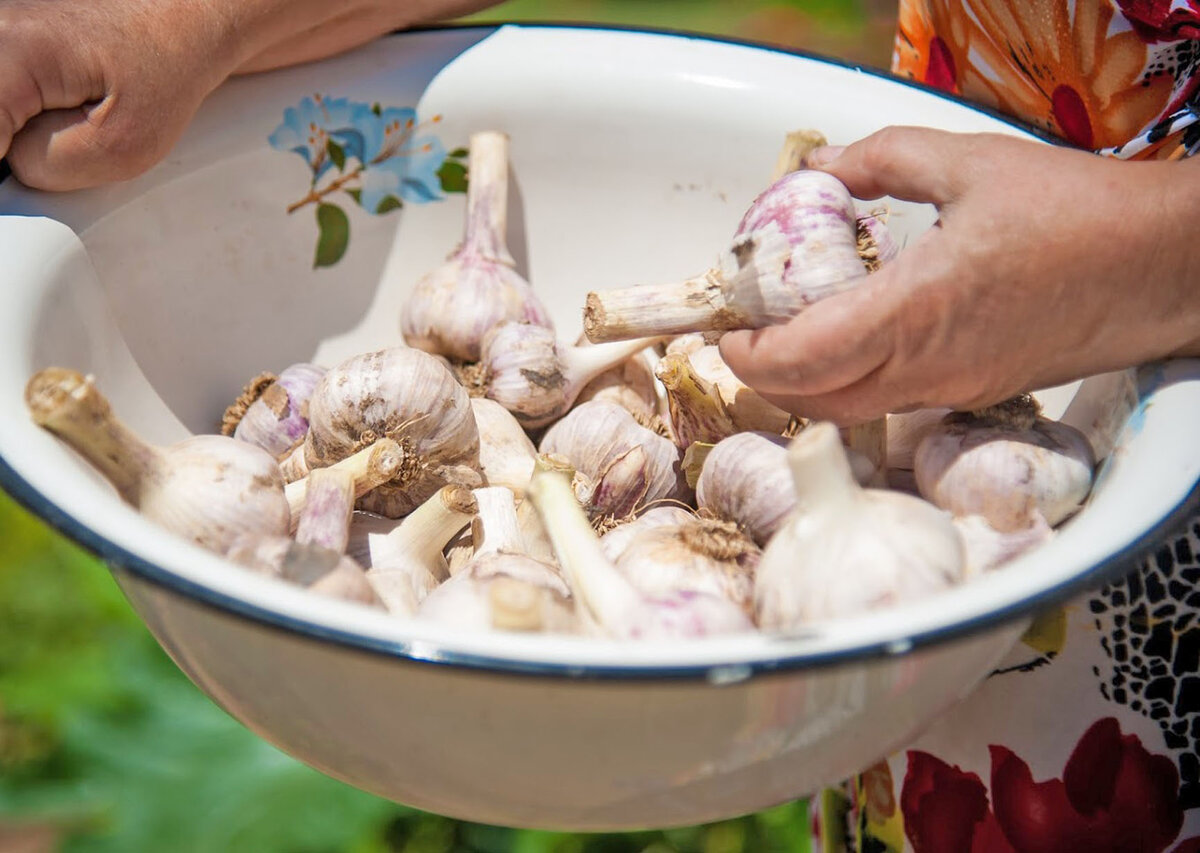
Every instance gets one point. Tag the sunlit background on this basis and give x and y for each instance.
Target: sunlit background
(106, 747)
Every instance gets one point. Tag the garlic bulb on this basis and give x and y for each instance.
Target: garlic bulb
(272, 411)
(615, 540)
(608, 602)
(845, 550)
(627, 465)
(745, 480)
(506, 455)
(510, 592)
(905, 432)
(405, 395)
(796, 244)
(316, 558)
(450, 309)
(407, 563)
(708, 403)
(1004, 463)
(988, 548)
(689, 555)
(524, 369)
(375, 464)
(207, 488)
(630, 384)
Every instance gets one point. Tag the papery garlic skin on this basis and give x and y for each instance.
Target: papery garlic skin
(906, 430)
(1005, 469)
(614, 541)
(450, 310)
(506, 455)
(468, 601)
(628, 465)
(748, 410)
(846, 550)
(318, 569)
(278, 417)
(745, 479)
(529, 373)
(208, 488)
(988, 548)
(410, 397)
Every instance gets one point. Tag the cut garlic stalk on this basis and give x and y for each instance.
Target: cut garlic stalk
(450, 310)
(988, 548)
(526, 370)
(1004, 463)
(207, 488)
(328, 507)
(846, 550)
(607, 599)
(495, 528)
(506, 455)
(408, 562)
(375, 464)
(405, 395)
(630, 384)
(272, 411)
(626, 465)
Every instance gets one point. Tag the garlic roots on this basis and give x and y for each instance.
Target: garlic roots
(528, 372)
(450, 310)
(1005, 463)
(410, 397)
(845, 550)
(207, 488)
(272, 411)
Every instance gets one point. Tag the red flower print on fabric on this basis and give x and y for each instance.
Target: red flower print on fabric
(1162, 20)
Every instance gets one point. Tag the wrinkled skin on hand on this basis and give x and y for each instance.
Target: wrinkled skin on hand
(1047, 265)
(93, 91)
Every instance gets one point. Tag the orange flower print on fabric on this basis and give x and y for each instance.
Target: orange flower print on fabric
(1076, 68)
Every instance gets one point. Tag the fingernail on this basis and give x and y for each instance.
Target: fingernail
(820, 158)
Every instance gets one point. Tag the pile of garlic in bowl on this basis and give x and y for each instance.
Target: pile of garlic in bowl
(493, 472)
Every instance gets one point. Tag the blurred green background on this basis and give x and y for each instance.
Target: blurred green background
(105, 746)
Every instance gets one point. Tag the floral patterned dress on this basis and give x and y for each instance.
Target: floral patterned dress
(1086, 738)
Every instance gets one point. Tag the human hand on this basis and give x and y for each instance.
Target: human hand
(1047, 265)
(93, 91)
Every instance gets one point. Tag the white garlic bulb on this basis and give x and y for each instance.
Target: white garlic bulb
(745, 479)
(846, 550)
(450, 309)
(410, 397)
(207, 488)
(502, 591)
(1004, 463)
(606, 599)
(614, 541)
(272, 411)
(627, 465)
(524, 369)
(407, 563)
(988, 548)
(506, 455)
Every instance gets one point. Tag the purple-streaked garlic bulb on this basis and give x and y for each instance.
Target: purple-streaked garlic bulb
(630, 384)
(316, 558)
(374, 465)
(688, 554)
(607, 601)
(988, 548)
(745, 479)
(626, 465)
(208, 488)
(407, 563)
(797, 244)
(410, 397)
(506, 455)
(272, 411)
(450, 310)
(846, 550)
(1005, 463)
(526, 370)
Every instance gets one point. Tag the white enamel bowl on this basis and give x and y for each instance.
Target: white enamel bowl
(633, 155)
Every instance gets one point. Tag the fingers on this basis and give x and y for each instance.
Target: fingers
(909, 163)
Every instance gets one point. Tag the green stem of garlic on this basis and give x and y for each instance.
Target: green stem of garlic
(375, 464)
(208, 488)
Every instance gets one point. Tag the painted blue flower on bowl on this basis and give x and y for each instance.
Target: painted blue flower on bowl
(380, 158)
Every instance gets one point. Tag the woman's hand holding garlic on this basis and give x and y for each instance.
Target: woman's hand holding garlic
(1049, 264)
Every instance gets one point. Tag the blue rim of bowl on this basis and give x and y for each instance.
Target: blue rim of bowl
(120, 559)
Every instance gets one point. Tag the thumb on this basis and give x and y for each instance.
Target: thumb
(909, 163)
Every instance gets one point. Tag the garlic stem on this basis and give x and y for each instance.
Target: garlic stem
(487, 196)
(293, 465)
(870, 441)
(372, 466)
(583, 364)
(797, 145)
(423, 534)
(328, 507)
(495, 529)
(69, 405)
(821, 474)
(515, 604)
(698, 303)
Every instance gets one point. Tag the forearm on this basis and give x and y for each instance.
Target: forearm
(278, 33)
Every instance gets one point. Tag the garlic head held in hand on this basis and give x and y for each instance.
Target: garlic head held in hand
(410, 397)
(1005, 463)
(846, 550)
